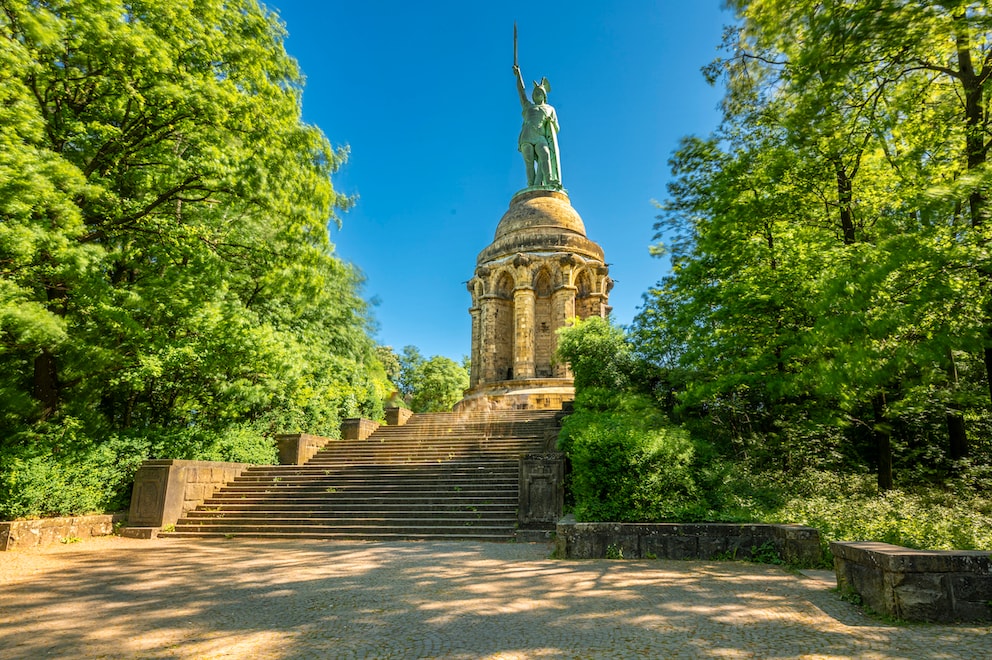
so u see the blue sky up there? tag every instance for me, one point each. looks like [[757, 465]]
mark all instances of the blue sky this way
[[424, 96]]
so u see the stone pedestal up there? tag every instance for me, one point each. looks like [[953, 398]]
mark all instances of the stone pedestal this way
[[540, 272], [542, 490], [398, 416], [298, 448], [166, 489], [357, 428]]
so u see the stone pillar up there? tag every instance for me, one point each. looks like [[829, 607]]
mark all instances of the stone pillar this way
[[542, 490], [523, 349], [475, 354], [563, 304], [487, 339]]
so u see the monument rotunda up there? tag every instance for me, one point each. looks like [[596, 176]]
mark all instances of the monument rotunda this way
[[539, 273]]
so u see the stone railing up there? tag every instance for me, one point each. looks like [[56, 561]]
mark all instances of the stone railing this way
[[164, 490], [398, 416], [792, 543], [357, 428], [917, 585], [298, 448], [20, 534]]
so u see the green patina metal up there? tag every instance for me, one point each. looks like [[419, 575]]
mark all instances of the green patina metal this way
[[538, 140]]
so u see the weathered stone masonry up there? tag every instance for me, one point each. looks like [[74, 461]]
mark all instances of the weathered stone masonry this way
[[538, 273]]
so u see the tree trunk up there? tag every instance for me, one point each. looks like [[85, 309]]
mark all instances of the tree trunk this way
[[957, 434], [883, 442], [976, 153], [845, 201], [45, 386]]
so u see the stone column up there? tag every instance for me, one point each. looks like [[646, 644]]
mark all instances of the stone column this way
[[563, 303], [523, 347], [475, 354], [487, 339]]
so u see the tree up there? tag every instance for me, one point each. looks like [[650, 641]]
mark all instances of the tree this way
[[432, 384], [165, 262], [824, 276], [597, 353]]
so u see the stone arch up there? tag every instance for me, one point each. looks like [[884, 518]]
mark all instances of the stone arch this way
[[503, 285], [544, 325], [503, 325], [586, 300]]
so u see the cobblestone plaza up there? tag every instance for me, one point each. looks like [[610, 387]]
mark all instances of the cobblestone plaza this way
[[173, 598]]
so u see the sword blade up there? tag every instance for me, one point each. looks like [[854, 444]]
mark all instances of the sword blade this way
[[514, 43]]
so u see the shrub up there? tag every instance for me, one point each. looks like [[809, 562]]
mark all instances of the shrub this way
[[629, 463], [60, 471]]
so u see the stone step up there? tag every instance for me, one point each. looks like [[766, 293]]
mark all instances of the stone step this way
[[359, 469], [458, 448], [389, 527], [373, 489], [467, 534], [356, 519], [440, 476], [348, 499], [296, 511], [383, 478]]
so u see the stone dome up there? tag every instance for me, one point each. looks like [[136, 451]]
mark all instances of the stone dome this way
[[540, 221]]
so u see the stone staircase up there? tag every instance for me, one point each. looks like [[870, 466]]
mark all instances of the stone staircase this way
[[439, 476]]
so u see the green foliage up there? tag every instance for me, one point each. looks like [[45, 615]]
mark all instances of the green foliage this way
[[432, 384], [166, 274], [630, 464], [828, 304], [58, 470], [597, 353], [931, 518]]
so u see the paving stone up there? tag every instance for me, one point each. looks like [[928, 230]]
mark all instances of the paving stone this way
[[280, 599]]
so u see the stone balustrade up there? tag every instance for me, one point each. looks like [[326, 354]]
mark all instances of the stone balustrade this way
[[298, 448], [164, 490]]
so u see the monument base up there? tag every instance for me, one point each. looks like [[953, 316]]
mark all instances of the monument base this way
[[522, 394]]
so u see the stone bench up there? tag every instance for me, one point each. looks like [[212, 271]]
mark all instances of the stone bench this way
[[792, 543], [917, 585]]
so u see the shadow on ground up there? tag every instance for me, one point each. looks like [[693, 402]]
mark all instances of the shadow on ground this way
[[282, 599]]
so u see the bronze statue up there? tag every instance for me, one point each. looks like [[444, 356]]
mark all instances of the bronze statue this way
[[538, 141]]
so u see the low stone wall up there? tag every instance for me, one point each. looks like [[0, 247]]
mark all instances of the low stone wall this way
[[917, 585], [298, 448], [164, 490], [793, 543], [20, 534]]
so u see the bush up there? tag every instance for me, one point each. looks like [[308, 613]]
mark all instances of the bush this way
[[914, 520], [59, 471], [629, 463]]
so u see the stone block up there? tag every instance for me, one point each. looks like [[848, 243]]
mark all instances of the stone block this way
[[158, 493], [398, 416], [21, 534], [542, 490], [164, 490], [358, 428], [674, 541], [298, 448], [917, 585]]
